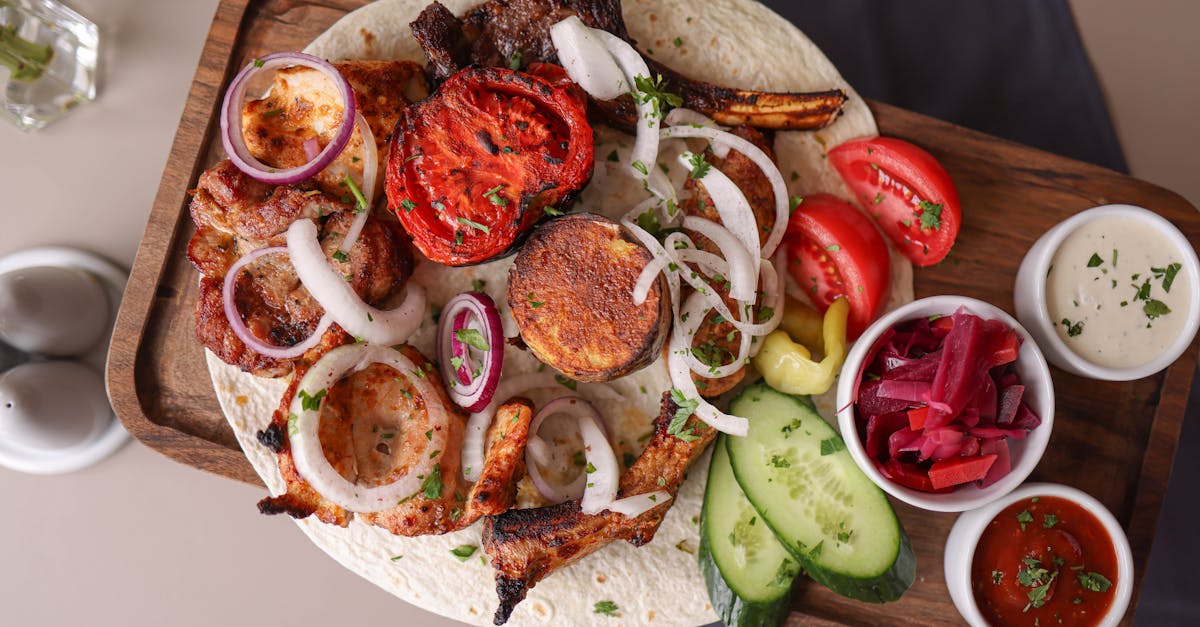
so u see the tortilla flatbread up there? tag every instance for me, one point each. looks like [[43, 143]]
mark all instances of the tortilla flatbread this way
[[728, 42]]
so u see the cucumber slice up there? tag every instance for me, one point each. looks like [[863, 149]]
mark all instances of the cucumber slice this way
[[796, 471], [749, 574]]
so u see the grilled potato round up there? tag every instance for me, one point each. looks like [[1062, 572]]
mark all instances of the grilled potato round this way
[[571, 294]]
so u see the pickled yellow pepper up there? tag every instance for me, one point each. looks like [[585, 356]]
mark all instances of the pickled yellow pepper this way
[[788, 366]]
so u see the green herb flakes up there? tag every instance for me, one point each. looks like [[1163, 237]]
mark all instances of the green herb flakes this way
[[464, 552], [311, 402], [606, 608]]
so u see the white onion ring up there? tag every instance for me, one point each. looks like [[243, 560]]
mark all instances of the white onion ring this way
[[478, 423], [370, 171], [476, 393], [538, 450], [695, 312], [239, 326], [743, 271], [306, 443], [681, 378], [732, 206], [760, 159], [231, 120], [601, 488], [638, 504], [645, 143], [681, 116], [393, 326], [586, 60]]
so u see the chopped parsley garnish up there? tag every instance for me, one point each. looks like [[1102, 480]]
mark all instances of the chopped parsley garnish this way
[[684, 408], [606, 608], [700, 166], [1049, 520], [473, 224], [408, 204], [272, 113], [429, 434], [832, 445], [653, 92], [514, 62], [1024, 518], [1094, 261], [258, 62], [833, 248], [648, 221], [478, 284], [397, 558], [1073, 328], [293, 428], [589, 468], [494, 196], [311, 402], [780, 461], [340, 255], [878, 197], [463, 552], [790, 427], [552, 211], [794, 202], [570, 384], [472, 338], [931, 215], [612, 156], [359, 199], [1094, 581], [678, 42], [432, 486], [997, 576], [533, 304], [640, 167], [1155, 308]]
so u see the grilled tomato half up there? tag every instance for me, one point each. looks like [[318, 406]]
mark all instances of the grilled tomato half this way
[[472, 168]]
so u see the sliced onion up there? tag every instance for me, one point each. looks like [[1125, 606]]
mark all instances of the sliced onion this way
[[760, 159], [370, 171], [732, 206], [638, 504], [231, 120], [648, 277], [478, 423], [694, 313], [393, 326], [537, 451], [680, 116], [312, 148], [681, 378], [601, 488], [586, 60], [306, 443], [645, 143], [471, 393], [743, 271], [239, 326]]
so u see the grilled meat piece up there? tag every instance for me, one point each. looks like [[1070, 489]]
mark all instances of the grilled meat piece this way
[[372, 425], [716, 343], [498, 31], [235, 215], [570, 294], [525, 545], [303, 105]]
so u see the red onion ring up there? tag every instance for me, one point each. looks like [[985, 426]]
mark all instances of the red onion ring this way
[[231, 120], [473, 393], [311, 148], [239, 326]]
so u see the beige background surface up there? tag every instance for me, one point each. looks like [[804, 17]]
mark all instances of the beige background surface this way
[[141, 540]]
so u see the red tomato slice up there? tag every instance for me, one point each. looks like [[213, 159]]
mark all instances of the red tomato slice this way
[[834, 250], [907, 190]]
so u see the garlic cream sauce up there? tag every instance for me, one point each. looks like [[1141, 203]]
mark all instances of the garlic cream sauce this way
[[1116, 292]]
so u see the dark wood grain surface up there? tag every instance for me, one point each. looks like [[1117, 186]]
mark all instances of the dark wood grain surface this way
[[1113, 440]]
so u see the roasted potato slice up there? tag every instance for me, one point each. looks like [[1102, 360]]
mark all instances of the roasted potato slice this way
[[571, 294]]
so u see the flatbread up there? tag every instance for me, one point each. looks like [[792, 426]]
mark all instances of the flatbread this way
[[728, 42]]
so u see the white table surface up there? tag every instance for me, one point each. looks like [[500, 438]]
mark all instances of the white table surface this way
[[142, 540]]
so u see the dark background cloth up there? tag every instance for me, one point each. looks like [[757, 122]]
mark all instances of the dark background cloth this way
[[1016, 69]]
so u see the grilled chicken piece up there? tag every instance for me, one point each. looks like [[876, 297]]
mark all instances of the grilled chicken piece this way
[[235, 215], [302, 105], [496, 32], [373, 424], [525, 545], [716, 343], [570, 291]]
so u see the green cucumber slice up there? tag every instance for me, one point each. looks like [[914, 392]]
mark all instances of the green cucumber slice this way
[[796, 471], [749, 574]]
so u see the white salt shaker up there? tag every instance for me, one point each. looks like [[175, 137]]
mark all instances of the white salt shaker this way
[[51, 406], [51, 310]]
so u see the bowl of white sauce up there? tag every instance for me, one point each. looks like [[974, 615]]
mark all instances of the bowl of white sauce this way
[[1111, 293]]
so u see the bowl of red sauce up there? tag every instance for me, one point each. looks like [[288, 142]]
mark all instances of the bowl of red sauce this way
[[946, 403], [1045, 554]]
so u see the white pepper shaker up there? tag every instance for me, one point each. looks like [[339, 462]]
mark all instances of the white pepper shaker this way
[[55, 311]]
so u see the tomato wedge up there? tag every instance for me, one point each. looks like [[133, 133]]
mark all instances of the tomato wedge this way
[[473, 167], [834, 250], [907, 190]]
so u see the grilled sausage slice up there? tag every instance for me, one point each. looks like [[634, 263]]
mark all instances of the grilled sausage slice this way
[[571, 294]]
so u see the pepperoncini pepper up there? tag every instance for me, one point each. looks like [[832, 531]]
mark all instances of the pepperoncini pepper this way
[[788, 366]]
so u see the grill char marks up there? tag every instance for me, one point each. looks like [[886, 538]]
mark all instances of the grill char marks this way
[[526, 545]]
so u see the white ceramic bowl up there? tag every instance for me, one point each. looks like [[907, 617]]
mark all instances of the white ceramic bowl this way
[[1030, 366], [1029, 295], [964, 537]]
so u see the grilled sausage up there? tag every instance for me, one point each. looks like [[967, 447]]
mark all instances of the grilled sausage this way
[[571, 294]]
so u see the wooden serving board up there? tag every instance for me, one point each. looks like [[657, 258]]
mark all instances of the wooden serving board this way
[[1115, 441]]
